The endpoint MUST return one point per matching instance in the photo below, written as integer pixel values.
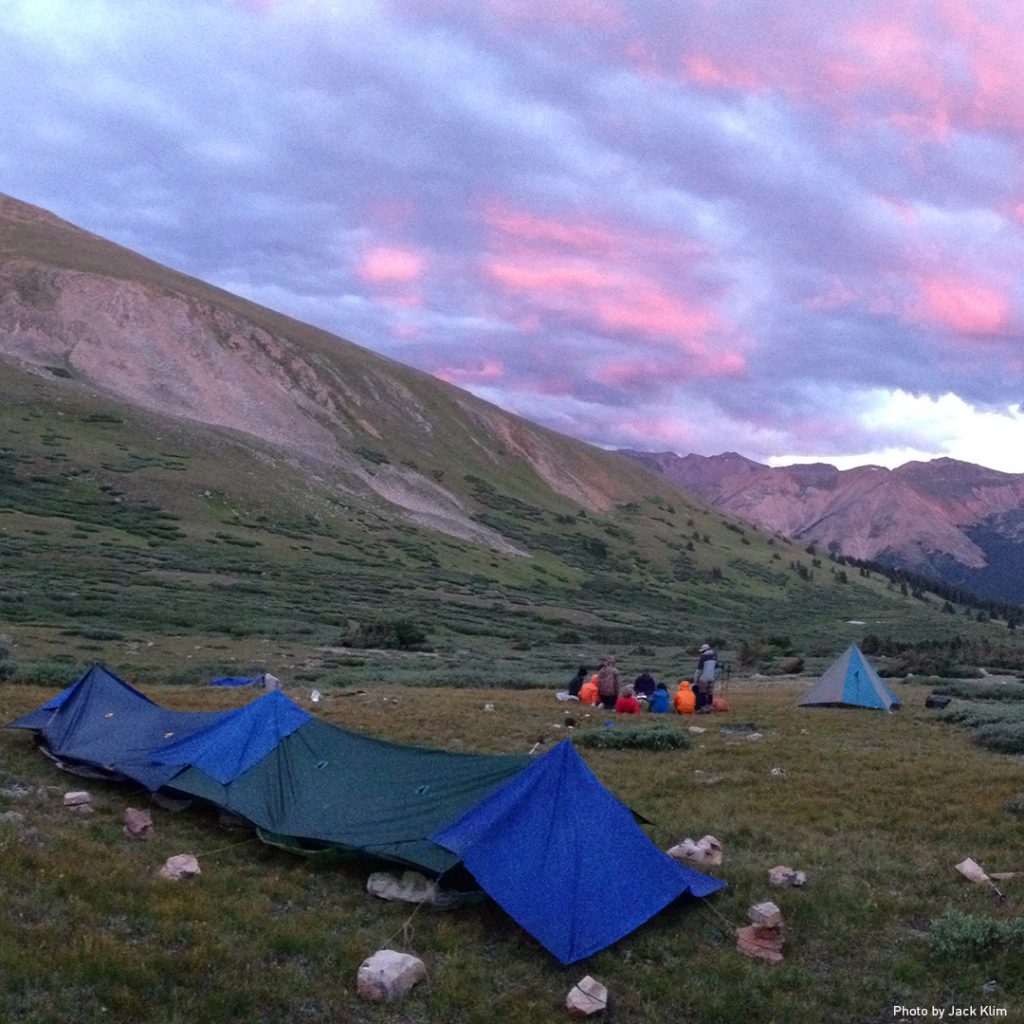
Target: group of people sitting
(604, 689)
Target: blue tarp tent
(566, 859)
(541, 836)
(850, 682)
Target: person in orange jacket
(588, 691)
(685, 700)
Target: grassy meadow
(875, 808)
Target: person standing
(704, 678)
(608, 684)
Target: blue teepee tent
(566, 858)
(850, 682)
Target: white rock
(784, 875)
(765, 915)
(77, 798)
(137, 824)
(411, 887)
(182, 865)
(388, 975)
(586, 998)
(707, 850)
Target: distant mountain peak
(945, 517)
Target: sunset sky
(791, 230)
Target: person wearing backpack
(608, 684)
(704, 678)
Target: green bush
(1005, 737)
(614, 735)
(390, 634)
(1015, 805)
(964, 936)
(983, 691)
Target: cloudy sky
(776, 228)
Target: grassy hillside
(175, 551)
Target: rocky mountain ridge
(954, 520)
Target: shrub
(957, 936)
(1015, 805)
(391, 634)
(1006, 737)
(641, 736)
(984, 691)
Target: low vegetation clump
(640, 736)
(975, 715)
(957, 935)
(1006, 737)
(983, 691)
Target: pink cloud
(647, 309)
(964, 306)
(391, 264)
(527, 226)
(924, 67)
(489, 370)
(703, 69)
(551, 276)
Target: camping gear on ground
(516, 823)
(265, 681)
(720, 699)
(850, 682)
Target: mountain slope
(950, 519)
(192, 481)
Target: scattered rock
(707, 850)
(783, 875)
(78, 802)
(388, 975)
(16, 791)
(137, 824)
(170, 803)
(411, 887)
(755, 736)
(765, 915)
(762, 938)
(586, 998)
(778, 773)
(182, 865)
(695, 729)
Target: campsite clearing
(875, 808)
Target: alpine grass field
(876, 809)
